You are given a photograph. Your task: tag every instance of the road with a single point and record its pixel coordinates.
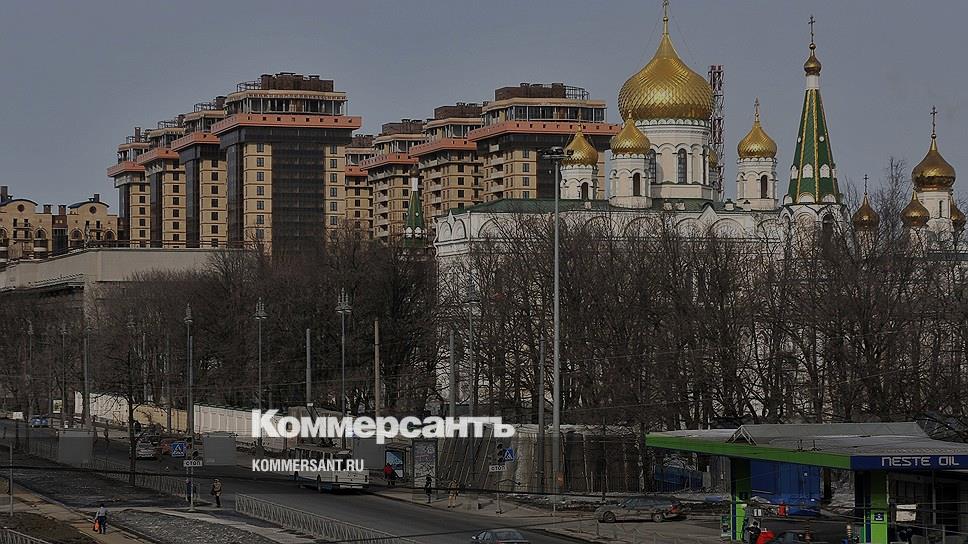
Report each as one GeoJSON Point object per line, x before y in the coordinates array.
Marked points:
{"type": "Point", "coordinates": [421, 523]}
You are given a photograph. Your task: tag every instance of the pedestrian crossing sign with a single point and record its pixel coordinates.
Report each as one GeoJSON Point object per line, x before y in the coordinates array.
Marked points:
{"type": "Point", "coordinates": [178, 449]}
{"type": "Point", "coordinates": [508, 455]}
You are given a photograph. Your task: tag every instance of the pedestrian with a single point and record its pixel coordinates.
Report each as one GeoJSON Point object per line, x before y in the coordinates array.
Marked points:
{"type": "Point", "coordinates": [428, 487]}
{"type": "Point", "coordinates": [217, 492]}
{"type": "Point", "coordinates": [388, 474]}
{"type": "Point", "coordinates": [452, 498]}
{"type": "Point", "coordinates": [101, 519]}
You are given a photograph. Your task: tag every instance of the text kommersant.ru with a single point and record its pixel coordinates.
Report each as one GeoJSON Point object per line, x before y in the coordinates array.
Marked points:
{"type": "Point", "coordinates": [266, 424]}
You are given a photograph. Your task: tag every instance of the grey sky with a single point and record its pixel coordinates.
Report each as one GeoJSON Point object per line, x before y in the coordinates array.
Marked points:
{"type": "Point", "coordinates": [77, 76]}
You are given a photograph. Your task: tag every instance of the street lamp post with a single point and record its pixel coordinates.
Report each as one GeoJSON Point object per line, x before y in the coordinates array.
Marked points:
{"type": "Point", "coordinates": [86, 416]}
{"type": "Point", "coordinates": [63, 380]}
{"type": "Point", "coordinates": [189, 404]}
{"type": "Point", "coordinates": [556, 154]}
{"type": "Point", "coordinates": [343, 308]}
{"type": "Point", "coordinates": [472, 299]}
{"type": "Point", "coordinates": [30, 365]}
{"type": "Point", "coordinates": [260, 316]}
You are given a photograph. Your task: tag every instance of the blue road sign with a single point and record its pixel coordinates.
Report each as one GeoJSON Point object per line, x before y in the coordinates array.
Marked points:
{"type": "Point", "coordinates": [508, 455]}
{"type": "Point", "coordinates": [178, 449]}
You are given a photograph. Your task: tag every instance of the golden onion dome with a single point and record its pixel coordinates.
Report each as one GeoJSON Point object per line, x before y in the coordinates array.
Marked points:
{"type": "Point", "coordinates": [630, 140]}
{"type": "Point", "coordinates": [666, 88]}
{"type": "Point", "coordinates": [812, 66]}
{"type": "Point", "coordinates": [713, 157]}
{"type": "Point", "coordinates": [957, 217]}
{"type": "Point", "coordinates": [756, 144]}
{"type": "Point", "coordinates": [580, 152]}
{"type": "Point", "coordinates": [865, 218]}
{"type": "Point", "coordinates": [915, 214]}
{"type": "Point", "coordinates": [933, 172]}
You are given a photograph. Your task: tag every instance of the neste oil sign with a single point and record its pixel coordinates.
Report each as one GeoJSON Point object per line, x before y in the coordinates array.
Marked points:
{"type": "Point", "coordinates": [909, 462]}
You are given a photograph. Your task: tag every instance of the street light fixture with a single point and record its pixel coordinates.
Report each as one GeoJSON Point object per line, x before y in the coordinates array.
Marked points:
{"type": "Point", "coordinates": [556, 154]}
{"type": "Point", "coordinates": [190, 406]}
{"type": "Point", "coordinates": [344, 309]}
{"type": "Point", "coordinates": [260, 316]}
{"type": "Point", "coordinates": [472, 299]}
{"type": "Point", "coordinates": [63, 380]}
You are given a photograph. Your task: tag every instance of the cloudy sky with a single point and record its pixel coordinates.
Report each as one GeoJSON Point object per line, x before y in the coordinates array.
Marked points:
{"type": "Point", "coordinates": [75, 77]}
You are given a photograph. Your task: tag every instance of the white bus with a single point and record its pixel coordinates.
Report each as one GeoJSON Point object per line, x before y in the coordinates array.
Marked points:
{"type": "Point", "coordinates": [347, 473]}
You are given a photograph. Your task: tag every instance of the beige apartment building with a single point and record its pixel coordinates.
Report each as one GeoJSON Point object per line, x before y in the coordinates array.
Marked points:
{"type": "Point", "coordinates": [521, 122]}
{"type": "Point", "coordinates": [165, 176]}
{"type": "Point", "coordinates": [450, 172]}
{"type": "Point", "coordinates": [359, 194]}
{"type": "Point", "coordinates": [134, 198]}
{"type": "Point", "coordinates": [27, 232]}
{"type": "Point", "coordinates": [206, 185]}
{"type": "Point", "coordinates": [284, 138]}
{"type": "Point", "coordinates": [389, 173]}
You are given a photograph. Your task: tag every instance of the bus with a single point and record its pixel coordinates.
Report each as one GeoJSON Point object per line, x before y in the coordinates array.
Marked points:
{"type": "Point", "coordinates": [339, 475]}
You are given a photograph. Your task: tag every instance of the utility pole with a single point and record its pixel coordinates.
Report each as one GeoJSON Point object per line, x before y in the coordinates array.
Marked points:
{"type": "Point", "coordinates": [86, 409]}
{"type": "Point", "coordinates": [168, 379]}
{"type": "Point", "coordinates": [309, 373]}
{"type": "Point", "coordinates": [63, 380]}
{"type": "Point", "coordinates": [541, 416]}
{"type": "Point", "coordinates": [452, 410]}
{"type": "Point", "coordinates": [376, 367]}
{"type": "Point", "coordinates": [260, 316]}
{"type": "Point", "coordinates": [343, 308]}
{"type": "Point", "coordinates": [190, 408]}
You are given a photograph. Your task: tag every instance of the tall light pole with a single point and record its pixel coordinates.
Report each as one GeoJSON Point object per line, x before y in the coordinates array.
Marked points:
{"type": "Point", "coordinates": [190, 406]}
{"type": "Point", "coordinates": [343, 308]}
{"type": "Point", "coordinates": [30, 365]}
{"type": "Point", "coordinates": [86, 415]}
{"type": "Point", "coordinates": [556, 154]}
{"type": "Point", "coordinates": [472, 299]}
{"type": "Point", "coordinates": [260, 316]}
{"type": "Point", "coordinates": [63, 380]}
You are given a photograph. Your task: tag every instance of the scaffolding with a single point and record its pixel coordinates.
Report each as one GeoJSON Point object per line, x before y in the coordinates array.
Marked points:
{"type": "Point", "coordinates": [717, 139]}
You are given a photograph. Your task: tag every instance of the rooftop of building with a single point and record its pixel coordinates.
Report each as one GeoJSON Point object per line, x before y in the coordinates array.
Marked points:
{"type": "Point", "coordinates": [96, 199]}
{"type": "Point", "coordinates": [361, 141]}
{"type": "Point", "coordinates": [547, 205]}
{"type": "Point", "coordinates": [404, 126]}
{"type": "Point", "coordinates": [287, 81]}
{"type": "Point", "coordinates": [541, 90]}
{"type": "Point", "coordinates": [458, 110]}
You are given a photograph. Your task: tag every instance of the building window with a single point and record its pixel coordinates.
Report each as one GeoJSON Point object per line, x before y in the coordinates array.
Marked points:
{"type": "Point", "coordinates": [526, 167]}
{"type": "Point", "coordinates": [333, 149]}
{"type": "Point", "coordinates": [174, 176]}
{"type": "Point", "coordinates": [764, 187]}
{"type": "Point", "coordinates": [357, 203]}
{"type": "Point", "coordinates": [526, 153]}
{"type": "Point", "coordinates": [215, 203]}
{"type": "Point", "coordinates": [260, 204]}
{"type": "Point", "coordinates": [332, 206]}
{"type": "Point", "coordinates": [584, 191]}
{"type": "Point", "coordinates": [260, 176]}
{"type": "Point", "coordinates": [214, 216]}
{"type": "Point", "coordinates": [214, 229]}
{"type": "Point", "coordinates": [175, 201]}
{"type": "Point", "coordinates": [175, 237]}
{"type": "Point", "coordinates": [142, 187]}
{"type": "Point", "coordinates": [333, 177]}
{"type": "Point", "coordinates": [141, 199]}
{"type": "Point", "coordinates": [357, 192]}
{"type": "Point", "coordinates": [333, 191]}
{"type": "Point", "coordinates": [524, 194]}
{"type": "Point", "coordinates": [174, 188]}
{"type": "Point", "coordinates": [260, 219]}
{"type": "Point", "coordinates": [214, 176]}
{"type": "Point", "coordinates": [460, 167]}
{"type": "Point", "coordinates": [259, 148]}
{"type": "Point", "coordinates": [681, 166]}
{"type": "Point", "coordinates": [356, 213]}
{"type": "Point", "coordinates": [174, 213]}
{"type": "Point", "coordinates": [460, 181]}
{"type": "Point", "coordinates": [260, 190]}
{"type": "Point", "coordinates": [141, 223]}
{"type": "Point", "coordinates": [214, 189]}
{"type": "Point", "coordinates": [214, 163]}
{"type": "Point", "coordinates": [260, 234]}
{"type": "Point", "coordinates": [141, 211]}
{"type": "Point", "coordinates": [332, 220]}
{"type": "Point", "coordinates": [260, 162]}
{"type": "Point", "coordinates": [460, 193]}
{"type": "Point", "coordinates": [141, 233]}
{"type": "Point", "coordinates": [636, 185]}
{"type": "Point", "coordinates": [332, 163]}
{"type": "Point", "coordinates": [526, 181]}
{"type": "Point", "coordinates": [651, 167]}
{"type": "Point", "coordinates": [175, 225]}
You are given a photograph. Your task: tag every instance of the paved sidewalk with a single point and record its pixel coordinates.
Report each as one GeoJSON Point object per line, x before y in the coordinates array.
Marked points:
{"type": "Point", "coordinates": [28, 502]}
{"type": "Point", "coordinates": [229, 519]}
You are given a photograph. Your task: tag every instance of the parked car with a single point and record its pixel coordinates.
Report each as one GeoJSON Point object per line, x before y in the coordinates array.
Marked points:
{"type": "Point", "coordinates": [657, 509]}
{"type": "Point", "coordinates": [500, 536]}
{"type": "Point", "coordinates": [788, 537]}
{"type": "Point", "coordinates": [145, 450]}
{"type": "Point", "coordinates": [40, 421]}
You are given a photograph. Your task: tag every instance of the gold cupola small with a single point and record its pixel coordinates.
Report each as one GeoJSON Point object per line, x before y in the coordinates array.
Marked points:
{"type": "Point", "coordinates": [757, 144]}
{"type": "Point", "coordinates": [630, 140]}
{"type": "Point", "coordinates": [957, 217]}
{"type": "Point", "coordinates": [933, 173]}
{"type": "Point", "coordinates": [580, 152]}
{"type": "Point", "coordinates": [915, 215]}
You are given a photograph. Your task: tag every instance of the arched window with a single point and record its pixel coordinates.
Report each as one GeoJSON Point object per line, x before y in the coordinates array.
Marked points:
{"type": "Point", "coordinates": [636, 184]}
{"type": "Point", "coordinates": [705, 166]}
{"type": "Point", "coordinates": [76, 235]}
{"type": "Point", "coordinates": [651, 167]}
{"type": "Point", "coordinates": [584, 191]}
{"type": "Point", "coordinates": [764, 187]}
{"type": "Point", "coordinates": [41, 235]}
{"type": "Point", "coordinates": [681, 166]}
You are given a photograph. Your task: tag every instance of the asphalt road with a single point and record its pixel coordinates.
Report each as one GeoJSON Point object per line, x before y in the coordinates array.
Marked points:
{"type": "Point", "coordinates": [400, 518]}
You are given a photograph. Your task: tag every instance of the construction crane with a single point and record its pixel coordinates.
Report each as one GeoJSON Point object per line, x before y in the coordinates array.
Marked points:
{"type": "Point", "coordinates": [717, 139]}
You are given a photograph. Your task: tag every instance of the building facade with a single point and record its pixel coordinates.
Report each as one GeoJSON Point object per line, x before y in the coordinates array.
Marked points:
{"type": "Point", "coordinates": [389, 172]}
{"type": "Point", "coordinates": [359, 193]}
{"type": "Point", "coordinates": [165, 177]}
{"type": "Point", "coordinates": [134, 206]}
{"type": "Point", "coordinates": [206, 222]}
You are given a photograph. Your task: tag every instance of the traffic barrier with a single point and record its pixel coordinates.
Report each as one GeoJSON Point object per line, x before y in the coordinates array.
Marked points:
{"type": "Point", "coordinates": [9, 536]}
{"type": "Point", "coordinates": [311, 524]}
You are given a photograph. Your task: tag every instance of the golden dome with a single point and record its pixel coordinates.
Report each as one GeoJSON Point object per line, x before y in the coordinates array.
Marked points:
{"type": "Point", "coordinates": [630, 140]}
{"type": "Point", "coordinates": [756, 144]}
{"type": "Point", "coordinates": [812, 66]}
{"type": "Point", "coordinates": [933, 172]}
{"type": "Point", "coordinates": [915, 214]}
{"type": "Point", "coordinates": [713, 157]}
{"type": "Point", "coordinates": [665, 88]}
{"type": "Point", "coordinates": [582, 152]}
{"type": "Point", "coordinates": [957, 217]}
{"type": "Point", "coordinates": [865, 218]}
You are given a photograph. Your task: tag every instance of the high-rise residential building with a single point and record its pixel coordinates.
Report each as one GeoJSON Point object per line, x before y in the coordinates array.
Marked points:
{"type": "Point", "coordinates": [450, 172]}
{"type": "Point", "coordinates": [359, 194]}
{"type": "Point", "coordinates": [166, 181]}
{"type": "Point", "coordinates": [521, 122]}
{"type": "Point", "coordinates": [284, 138]}
{"type": "Point", "coordinates": [206, 188]}
{"type": "Point", "coordinates": [134, 199]}
{"type": "Point", "coordinates": [389, 173]}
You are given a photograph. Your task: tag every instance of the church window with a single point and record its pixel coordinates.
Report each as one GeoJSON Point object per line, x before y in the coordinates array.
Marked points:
{"type": "Point", "coordinates": [584, 191]}
{"type": "Point", "coordinates": [824, 171]}
{"type": "Point", "coordinates": [651, 167]}
{"type": "Point", "coordinates": [636, 185]}
{"type": "Point", "coordinates": [764, 187]}
{"type": "Point", "coordinates": [808, 170]}
{"type": "Point", "coordinates": [705, 166]}
{"type": "Point", "coordinates": [681, 166]}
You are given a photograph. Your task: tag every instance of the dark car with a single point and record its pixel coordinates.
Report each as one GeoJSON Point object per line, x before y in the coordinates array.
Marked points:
{"type": "Point", "coordinates": [789, 537]}
{"type": "Point", "coordinates": [500, 536]}
{"type": "Point", "coordinates": [641, 508]}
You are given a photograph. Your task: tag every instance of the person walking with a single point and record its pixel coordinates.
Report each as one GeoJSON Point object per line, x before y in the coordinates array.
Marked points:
{"type": "Point", "coordinates": [389, 474]}
{"type": "Point", "coordinates": [101, 519]}
{"type": "Point", "coordinates": [452, 498]}
{"type": "Point", "coordinates": [217, 492]}
{"type": "Point", "coordinates": [429, 487]}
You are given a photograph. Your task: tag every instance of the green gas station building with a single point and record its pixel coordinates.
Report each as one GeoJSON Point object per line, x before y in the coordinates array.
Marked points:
{"type": "Point", "coordinates": [891, 463]}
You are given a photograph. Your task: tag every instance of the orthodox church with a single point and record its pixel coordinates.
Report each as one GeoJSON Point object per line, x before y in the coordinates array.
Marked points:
{"type": "Point", "coordinates": [662, 162]}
